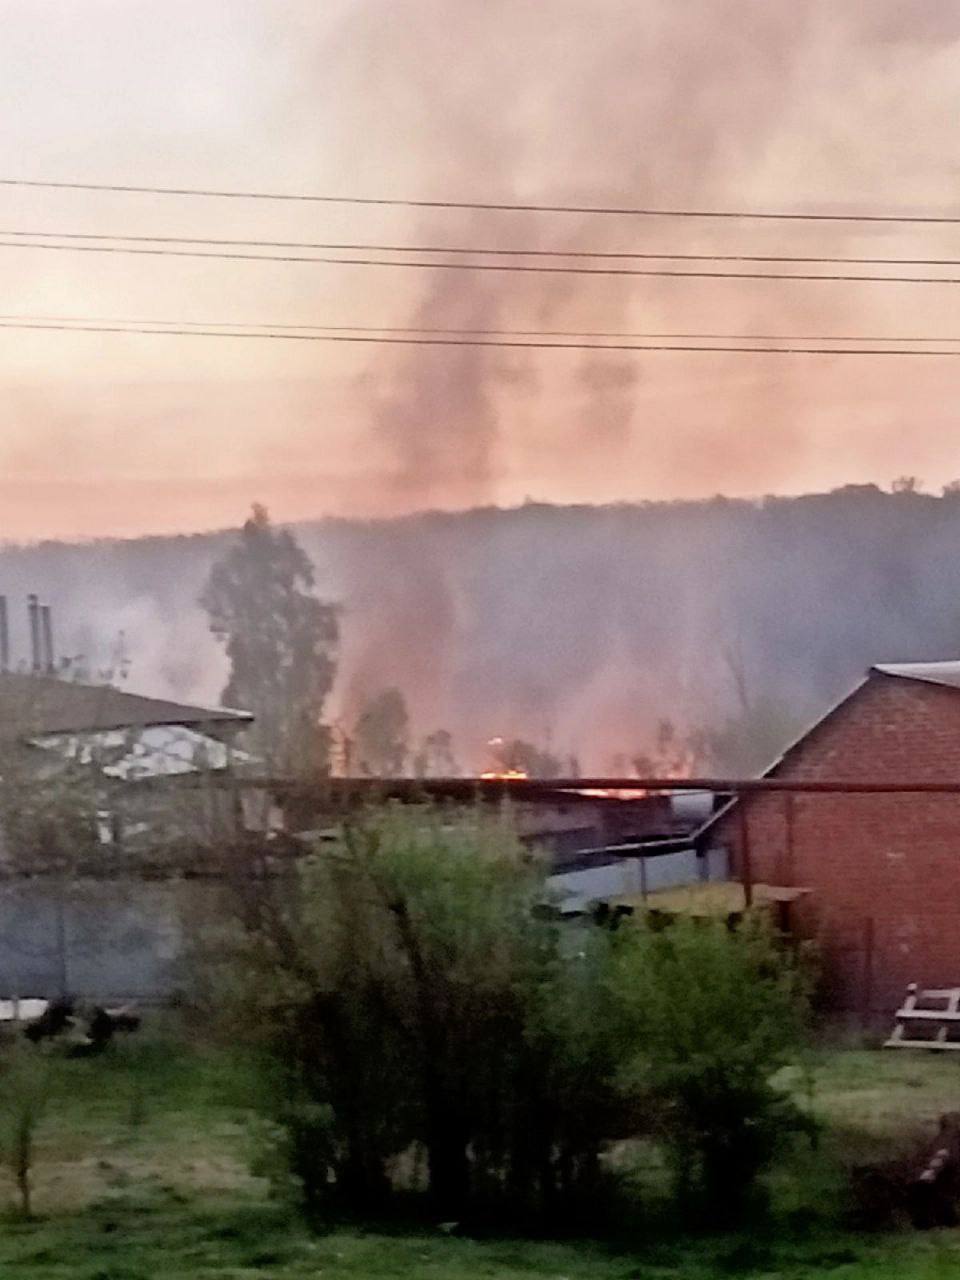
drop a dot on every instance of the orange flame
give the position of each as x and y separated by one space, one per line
502 769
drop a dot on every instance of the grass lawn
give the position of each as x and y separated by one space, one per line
143 1173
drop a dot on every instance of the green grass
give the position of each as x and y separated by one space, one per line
884 1095
143 1173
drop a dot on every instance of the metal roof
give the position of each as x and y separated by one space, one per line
945 673
158 751
37 704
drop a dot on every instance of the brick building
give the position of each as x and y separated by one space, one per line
882 871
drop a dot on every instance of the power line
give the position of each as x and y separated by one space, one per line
526 268
487 251
470 342
415 330
482 205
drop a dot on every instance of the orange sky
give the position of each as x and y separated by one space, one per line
733 103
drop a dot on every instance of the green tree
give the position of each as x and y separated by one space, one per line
25 1085
281 642
420 1015
381 736
711 1015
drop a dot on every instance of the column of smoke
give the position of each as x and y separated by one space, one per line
527 626
125 612
676 106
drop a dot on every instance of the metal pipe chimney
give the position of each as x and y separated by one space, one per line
33 609
46 635
4 636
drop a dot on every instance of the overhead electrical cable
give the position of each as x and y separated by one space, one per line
415 330
497 206
326 260
482 251
392 340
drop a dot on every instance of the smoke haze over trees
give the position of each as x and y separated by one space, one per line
578 629
280 641
720 104
381 736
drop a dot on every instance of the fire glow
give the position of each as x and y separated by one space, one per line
503 770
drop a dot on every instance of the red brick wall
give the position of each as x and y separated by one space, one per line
886 865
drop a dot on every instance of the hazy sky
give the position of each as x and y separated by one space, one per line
808 104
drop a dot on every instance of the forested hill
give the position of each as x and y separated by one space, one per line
575 627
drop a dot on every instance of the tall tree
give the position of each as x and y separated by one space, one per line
674 753
435 758
281 641
523 757
382 735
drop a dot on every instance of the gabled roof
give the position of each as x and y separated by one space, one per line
946 674
32 705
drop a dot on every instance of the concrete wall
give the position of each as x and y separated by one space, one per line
101 939
121 939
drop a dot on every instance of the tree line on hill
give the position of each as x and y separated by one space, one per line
578 630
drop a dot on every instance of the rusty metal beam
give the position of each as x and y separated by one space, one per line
571 790
567 791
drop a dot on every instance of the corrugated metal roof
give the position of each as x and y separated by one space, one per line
35 704
945 673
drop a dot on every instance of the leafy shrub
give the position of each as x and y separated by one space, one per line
428 1026
24 1090
713 1014
413 1000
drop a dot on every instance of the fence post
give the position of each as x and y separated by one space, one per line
746 871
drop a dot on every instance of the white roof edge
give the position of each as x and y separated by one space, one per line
942 673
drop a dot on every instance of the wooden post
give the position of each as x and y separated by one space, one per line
746 871
867 994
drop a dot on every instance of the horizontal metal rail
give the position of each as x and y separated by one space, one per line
575 789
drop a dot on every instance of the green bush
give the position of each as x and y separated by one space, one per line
712 1015
24 1092
421 1015
430 1028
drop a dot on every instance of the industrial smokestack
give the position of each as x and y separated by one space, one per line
46 634
33 609
4 636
